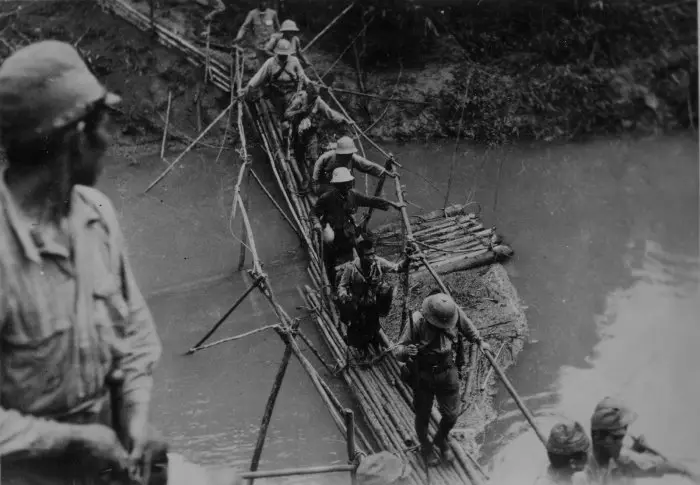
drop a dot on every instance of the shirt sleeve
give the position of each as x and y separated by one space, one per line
320 166
375 202
387 266
246 25
364 165
329 112
466 326
143 344
318 211
270 43
407 338
262 76
346 281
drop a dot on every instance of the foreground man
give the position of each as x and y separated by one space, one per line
304 116
433 342
70 308
344 155
76 334
615 461
287 32
364 295
282 76
567 450
336 211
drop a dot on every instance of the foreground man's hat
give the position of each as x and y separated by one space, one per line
440 310
46 86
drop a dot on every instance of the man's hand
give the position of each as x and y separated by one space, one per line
101 443
136 421
243 92
639 443
304 125
391 173
412 350
398 205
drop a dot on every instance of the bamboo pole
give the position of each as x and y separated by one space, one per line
244 232
331 24
459 133
350 440
191 145
167 123
276 204
196 346
377 96
269 407
377 193
288 472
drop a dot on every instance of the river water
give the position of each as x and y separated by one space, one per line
606 242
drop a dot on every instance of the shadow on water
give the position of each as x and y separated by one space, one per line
606 241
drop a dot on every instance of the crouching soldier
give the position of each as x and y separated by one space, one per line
281 76
336 211
344 155
567 449
364 295
433 342
303 118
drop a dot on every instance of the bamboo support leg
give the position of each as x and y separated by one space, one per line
269 407
244 229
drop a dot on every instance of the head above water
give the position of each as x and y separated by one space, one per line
567 447
609 423
53 112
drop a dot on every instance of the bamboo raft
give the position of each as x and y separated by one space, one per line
450 240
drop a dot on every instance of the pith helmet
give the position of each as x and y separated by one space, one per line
284 48
345 146
289 26
440 310
568 437
341 175
44 87
611 414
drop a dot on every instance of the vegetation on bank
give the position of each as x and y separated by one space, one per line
507 69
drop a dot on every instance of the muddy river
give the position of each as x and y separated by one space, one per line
606 242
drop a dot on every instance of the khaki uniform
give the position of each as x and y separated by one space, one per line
434 373
281 81
296 45
261 25
66 316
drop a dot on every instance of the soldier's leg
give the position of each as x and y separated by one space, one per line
450 405
423 405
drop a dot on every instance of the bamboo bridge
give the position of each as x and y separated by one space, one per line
446 241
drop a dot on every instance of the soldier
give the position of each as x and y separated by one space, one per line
344 155
567 450
364 295
71 312
261 23
281 75
336 210
287 31
303 117
433 342
615 461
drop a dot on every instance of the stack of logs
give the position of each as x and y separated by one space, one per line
385 400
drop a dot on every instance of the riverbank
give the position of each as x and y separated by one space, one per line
590 70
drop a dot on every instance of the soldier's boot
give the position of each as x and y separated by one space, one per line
441 443
428 454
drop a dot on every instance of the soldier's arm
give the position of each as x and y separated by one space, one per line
300 54
374 202
466 326
301 75
317 212
262 76
407 338
330 113
388 266
270 45
345 281
245 27
319 168
364 165
276 21
642 465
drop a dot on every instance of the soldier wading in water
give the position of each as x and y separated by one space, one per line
432 345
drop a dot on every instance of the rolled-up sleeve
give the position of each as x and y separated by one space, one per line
364 165
407 338
329 112
466 326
